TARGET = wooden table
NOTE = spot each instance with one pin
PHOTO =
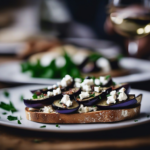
(137, 137)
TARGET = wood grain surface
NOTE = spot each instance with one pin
(137, 137)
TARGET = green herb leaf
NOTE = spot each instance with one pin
(4, 113)
(34, 96)
(101, 84)
(94, 106)
(12, 118)
(99, 97)
(107, 77)
(44, 126)
(8, 107)
(38, 140)
(78, 96)
(92, 95)
(114, 83)
(108, 95)
(57, 126)
(118, 93)
(147, 116)
(21, 97)
(6, 93)
(135, 120)
(19, 122)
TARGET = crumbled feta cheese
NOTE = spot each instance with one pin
(58, 83)
(77, 80)
(86, 109)
(48, 109)
(122, 96)
(84, 95)
(66, 81)
(88, 82)
(79, 58)
(54, 86)
(104, 64)
(103, 80)
(112, 97)
(60, 61)
(86, 88)
(66, 100)
(49, 93)
(57, 91)
(77, 84)
(97, 89)
(49, 87)
(97, 82)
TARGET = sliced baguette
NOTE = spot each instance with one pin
(90, 117)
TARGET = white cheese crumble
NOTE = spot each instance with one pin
(86, 88)
(66, 100)
(86, 109)
(58, 83)
(84, 95)
(60, 61)
(88, 82)
(112, 97)
(66, 81)
(49, 87)
(122, 96)
(104, 64)
(57, 91)
(49, 93)
(54, 86)
(97, 82)
(77, 84)
(77, 80)
(97, 89)
(48, 109)
(103, 80)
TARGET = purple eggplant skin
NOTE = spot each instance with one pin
(77, 92)
(123, 85)
(62, 110)
(41, 103)
(124, 104)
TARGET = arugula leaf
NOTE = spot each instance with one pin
(108, 95)
(34, 96)
(6, 93)
(19, 122)
(8, 107)
(99, 97)
(44, 126)
(4, 113)
(92, 95)
(107, 77)
(12, 118)
(21, 97)
(57, 126)
(135, 120)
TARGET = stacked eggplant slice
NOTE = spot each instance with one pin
(83, 95)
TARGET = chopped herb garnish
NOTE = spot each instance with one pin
(78, 96)
(57, 126)
(94, 106)
(99, 97)
(108, 95)
(101, 84)
(92, 95)
(114, 83)
(147, 116)
(19, 122)
(107, 77)
(44, 126)
(12, 118)
(6, 93)
(21, 97)
(4, 113)
(38, 140)
(135, 120)
(8, 107)
(34, 96)
(118, 93)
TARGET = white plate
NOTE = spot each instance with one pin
(15, 94)
(11, 73)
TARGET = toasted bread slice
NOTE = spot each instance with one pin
(90, 117)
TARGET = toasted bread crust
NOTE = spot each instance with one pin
(90, 117)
